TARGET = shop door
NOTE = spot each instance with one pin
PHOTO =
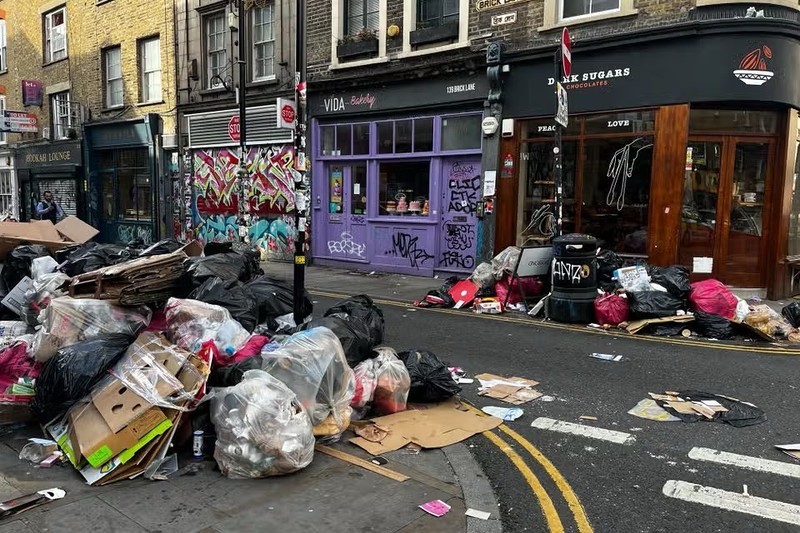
(723, 223)
(461, 192)
(346, 231)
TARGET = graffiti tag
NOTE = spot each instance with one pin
(464, 195)
(567, 272)
(347, 246)
(406, 245)
(454, 259)
(128, 233)
(459, 236)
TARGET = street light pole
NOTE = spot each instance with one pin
(301, 199)
(243, 174)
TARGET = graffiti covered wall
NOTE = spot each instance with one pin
(269, 197)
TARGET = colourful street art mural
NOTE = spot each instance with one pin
(269, 197)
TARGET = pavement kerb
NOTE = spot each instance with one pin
(477, 491)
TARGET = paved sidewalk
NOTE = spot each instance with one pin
(329, 496)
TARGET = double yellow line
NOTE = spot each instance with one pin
(551, 515)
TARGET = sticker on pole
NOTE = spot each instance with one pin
(563, 107)
(287, 114)
(566, 52)
(233, 128)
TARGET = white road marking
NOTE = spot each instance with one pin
(591, 432)
(745, 461)
(732, 501)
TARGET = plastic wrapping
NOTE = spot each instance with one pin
(262, 430)
(507, 286)
(43, 265)
(92, 256)
(653, 304)
(313, 365)
(439, 297)
(67, 321)
(431, 380)
(15, 363)
(353, 334)
(43, 290)
(712, 296)
(161, 247)
(73, 372)
(393, 383)
(362, 308)
(19, 261)
(150, 368)
(226, 266)
(234, 296)
(504, 262)
(742, 310)
(611, 309)
(768, 321)
(366, 376)
(275, 299)
(483, 276)
(190, 323)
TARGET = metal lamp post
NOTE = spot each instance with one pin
(300, 181)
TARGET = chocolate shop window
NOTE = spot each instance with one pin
(404, 189)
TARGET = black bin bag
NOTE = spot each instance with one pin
(353, 334)
(674, 278)
(712, 326)
(234, 296)
(362, 308)
(70, 375)
(653, 304)
(276, 298)
(431, 380)
(792, 313)
(19, 261)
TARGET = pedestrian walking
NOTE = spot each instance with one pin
(48, 209)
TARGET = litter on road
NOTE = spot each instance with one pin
(514, 390)
(606, 357)
(503, 413)
(436, 508)
(792, 450)
(480, 515)
(694, 406)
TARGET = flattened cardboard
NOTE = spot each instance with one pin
(76, 230)
(513, 394)
(493, 377)
(637, 325)
(434, 427)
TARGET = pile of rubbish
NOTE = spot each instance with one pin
(662, 301)
(124, 355)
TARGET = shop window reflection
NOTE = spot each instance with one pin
(404, 188)
(461, 132)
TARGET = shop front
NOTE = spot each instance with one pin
(53, 166)
(679, 150)
(266, 218)
(396, 187)
(124, 179)
(9, 195)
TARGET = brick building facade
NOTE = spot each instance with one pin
(100, 83)
(680, 146)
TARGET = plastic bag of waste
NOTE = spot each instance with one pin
(712, 326)
(653, 304)
(275, 299)
(234, 296)
(190, 323)
(363, 309)
(19, 261)
(712, 296)
(431, 380)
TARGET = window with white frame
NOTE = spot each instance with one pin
(3, 136)
(55, 35)
(6, 193)
(361, 15)
(112, 66)
(433, 13)
(581, 8)
(61, 112)
(216, 49)
(3, 58)
(263, 31)
(150, 69)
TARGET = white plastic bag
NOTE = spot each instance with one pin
(262, 430)
(190, 323)
(43, 265)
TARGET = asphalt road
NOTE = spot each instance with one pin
(620, 486)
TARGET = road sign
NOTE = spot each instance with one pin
(563, 106)
(287, 113)
(566, 53)
(233, 128)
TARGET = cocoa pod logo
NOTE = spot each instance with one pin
(755, 60)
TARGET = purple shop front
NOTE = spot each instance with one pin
(396, 188)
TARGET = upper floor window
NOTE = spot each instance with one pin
(580, 8)
(3, 136)
(112, 66)
(216, 49)
(263, 31)
(361, 15)
(150, 69)
(61, 111)
(433, 13)
(3, 58)
(55, 35)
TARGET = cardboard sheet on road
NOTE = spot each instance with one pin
(638, 325)
(433, 426)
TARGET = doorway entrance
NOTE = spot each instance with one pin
(346, 232)
(724, 227)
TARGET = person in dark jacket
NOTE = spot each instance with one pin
(48, 209)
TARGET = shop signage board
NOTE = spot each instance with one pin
(505, 18)
(483, 5)
(32, 92)
(702, 68)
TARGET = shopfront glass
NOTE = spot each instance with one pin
(606, 169)
(126, 194)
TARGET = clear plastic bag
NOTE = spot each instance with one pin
(393, 383)
(262, 430)
(190, 323)
(43, 290)
(43, 265)
(67, 321)
(504, 262)
(366, 375)
(313, 365)
(768, 321)
(483, 276)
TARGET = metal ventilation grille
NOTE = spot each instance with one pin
(211, 129)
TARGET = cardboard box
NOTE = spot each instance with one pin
(16, 298)
(68, 232)
(92, 435)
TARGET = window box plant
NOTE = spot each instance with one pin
(363, 43)
(443, 32)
